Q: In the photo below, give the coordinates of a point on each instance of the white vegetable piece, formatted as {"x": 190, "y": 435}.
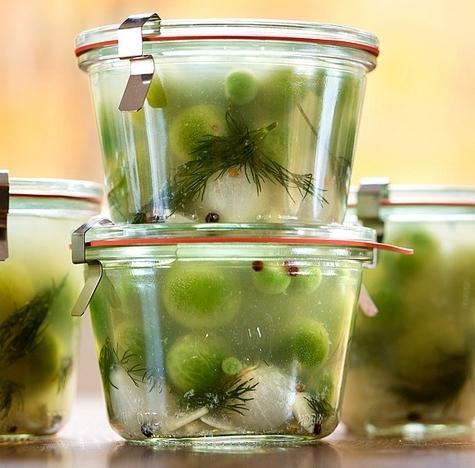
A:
{"x": 303, "y": 413}
{"x": 271, "y": 403}
{"x": 234, "y": 198}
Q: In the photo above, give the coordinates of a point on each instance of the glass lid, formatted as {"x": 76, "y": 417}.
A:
{"x": 238, "y": 29}
{"x": 56, "y": 188}
{"x": 420, "y": 195}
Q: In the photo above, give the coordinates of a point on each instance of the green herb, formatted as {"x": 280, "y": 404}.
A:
{"x": 321, "y": 409}
{"x": 9, "y": 392}
{"x": 64, "y": 373}
{"x": 241, "y": 149}
{"x": 21, "y": 332}
{"x": 232, "y": 396}
{"x": 110, "y": 359}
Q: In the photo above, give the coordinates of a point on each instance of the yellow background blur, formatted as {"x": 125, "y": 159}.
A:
{"x": 418, "y": 121}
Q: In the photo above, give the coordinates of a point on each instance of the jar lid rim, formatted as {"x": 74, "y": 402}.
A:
{"x": 423, "y": 195}
{"x": 236, "y": 28}
{"x": 55, "y": 188}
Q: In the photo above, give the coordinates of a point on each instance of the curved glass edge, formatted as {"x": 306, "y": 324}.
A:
{"x": 327, "y": 31}
{"x": 68, "y": 188}
{"x": 323, "y": 231}
{"x": 400, "y": 194}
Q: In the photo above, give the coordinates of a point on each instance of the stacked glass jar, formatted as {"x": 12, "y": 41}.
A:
{"x": 226, "y": 289}
{"x": 38, "y": 287}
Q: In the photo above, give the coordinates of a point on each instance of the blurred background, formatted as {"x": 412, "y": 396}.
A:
{"x": 418, "y": 123}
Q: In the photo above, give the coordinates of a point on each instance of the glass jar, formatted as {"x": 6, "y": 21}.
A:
{"x": 38, "y": 287}
{"x": 244, "y": 121}
{"x": 215, "y": 335}
{"x": 411, "y": 367}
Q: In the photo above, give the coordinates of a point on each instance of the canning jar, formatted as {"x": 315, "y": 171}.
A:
{"x": 214, "y": 332}
{"x": 244, "y": 120}
{"x": 411, "y": 367}
{"x": 38, "y": 287}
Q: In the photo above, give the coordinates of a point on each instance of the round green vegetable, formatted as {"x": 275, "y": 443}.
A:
{"x": 306, "y": 280}
{"x": 231, "y": 366}
{"x": 16, "y": 288}
{"x": 131, "y": 339}
{"x": 276, "y": 145}
{"x": 193, "y": 363}
{"x": 306, "y": 341}
{"x": 39, "y": 369}
{"x": 281, "y": 89}
{"x": 241, "y": 87}
{"x": 156, "y": 94}
{"x": 190, "y": 127}
{"x": 270, "y": 278}
{"x": 200, "y": 295}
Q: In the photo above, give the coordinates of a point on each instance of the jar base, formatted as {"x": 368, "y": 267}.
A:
{"x": 416, "y": 430}
{"x": 237, "y": 443}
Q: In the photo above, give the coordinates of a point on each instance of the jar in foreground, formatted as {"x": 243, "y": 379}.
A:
{"x": 412, "y": 367}
{"x": 208, "y": 335}
{"x": 244, "y": 121}
{"x": 38, "y": 287}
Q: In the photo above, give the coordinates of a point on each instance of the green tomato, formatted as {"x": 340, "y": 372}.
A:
{"x": 231, "y": 366}
{"x": 241, "y": 87}
{"x": 270, "y": 278}
{"x": 306, "y": 341}
{"x": 131, "y": 338}
{"x": 16, "y": 287}
{"x": 156, "y": 94}
{"x": 194, "y": 363}
{"x": 190, "y": 127}
{"x": 305, "y": 280}
{"x": 276, "y": 145}
{"x": 280, "y": 90}
{"x": 39, "y": 369}
{"x": 426, "y": 250}
{"x": 200, "y": 295}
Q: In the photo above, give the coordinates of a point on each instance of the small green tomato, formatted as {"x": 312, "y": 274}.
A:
{"x": 305, "y": 280}
{"x": 156, "y": 94}
{"x": 306, "y": 341}
{"x": 231, "y": 366}
{"x": 193, "y": 363}
{"x": 190, "y": 127}
{"x": 241, "y": 87}
{"x": 270, "y": 278}
{"x": 200, "y": 295}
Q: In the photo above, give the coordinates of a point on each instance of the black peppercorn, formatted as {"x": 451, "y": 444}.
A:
{"x": 212, "y": 217}
{"x": 257, "y": 265}
{"x": 147, "y": 430}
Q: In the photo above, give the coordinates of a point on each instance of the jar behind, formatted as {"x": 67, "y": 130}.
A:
{"x": 38, "y": 287}
{"x": 412, "y": 367}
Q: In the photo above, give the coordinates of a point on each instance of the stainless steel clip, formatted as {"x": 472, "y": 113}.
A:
{"x": 142, "y": 67}
{"x": 94, "y": 270}
{"x": 4, "y": 206}
{"x": 370, "y": 194}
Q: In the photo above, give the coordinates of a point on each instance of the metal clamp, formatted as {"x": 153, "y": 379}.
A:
{"x": 94, "y": 270}
{"x": 4, "y": 206}
{"x": 142, "y": 67}
{"x": 370, "y": 194}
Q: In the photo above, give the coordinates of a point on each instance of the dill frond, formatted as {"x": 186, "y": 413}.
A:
{"x": 9, "y": 392}
{"x": 21, "y": 332}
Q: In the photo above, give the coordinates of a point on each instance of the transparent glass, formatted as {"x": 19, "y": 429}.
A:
{"x": 232, "y": 130}
{"x": 411, "y": 368}
{"x": 229, "y": 343}
{"x": 38, "y": 336}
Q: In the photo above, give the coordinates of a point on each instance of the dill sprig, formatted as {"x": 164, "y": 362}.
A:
{"x": 232, "y": 396}
{"x": 64, "y": 373}
{"x": 321, "y": 409}
{"x": 9, "y": 392}
{"x": 21, "y": 332}
{"x": 242, "y": 150}
{"x": 110, "y": 359}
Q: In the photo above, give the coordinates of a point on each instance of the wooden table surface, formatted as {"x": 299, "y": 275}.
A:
{"x": 88, "y": 442}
